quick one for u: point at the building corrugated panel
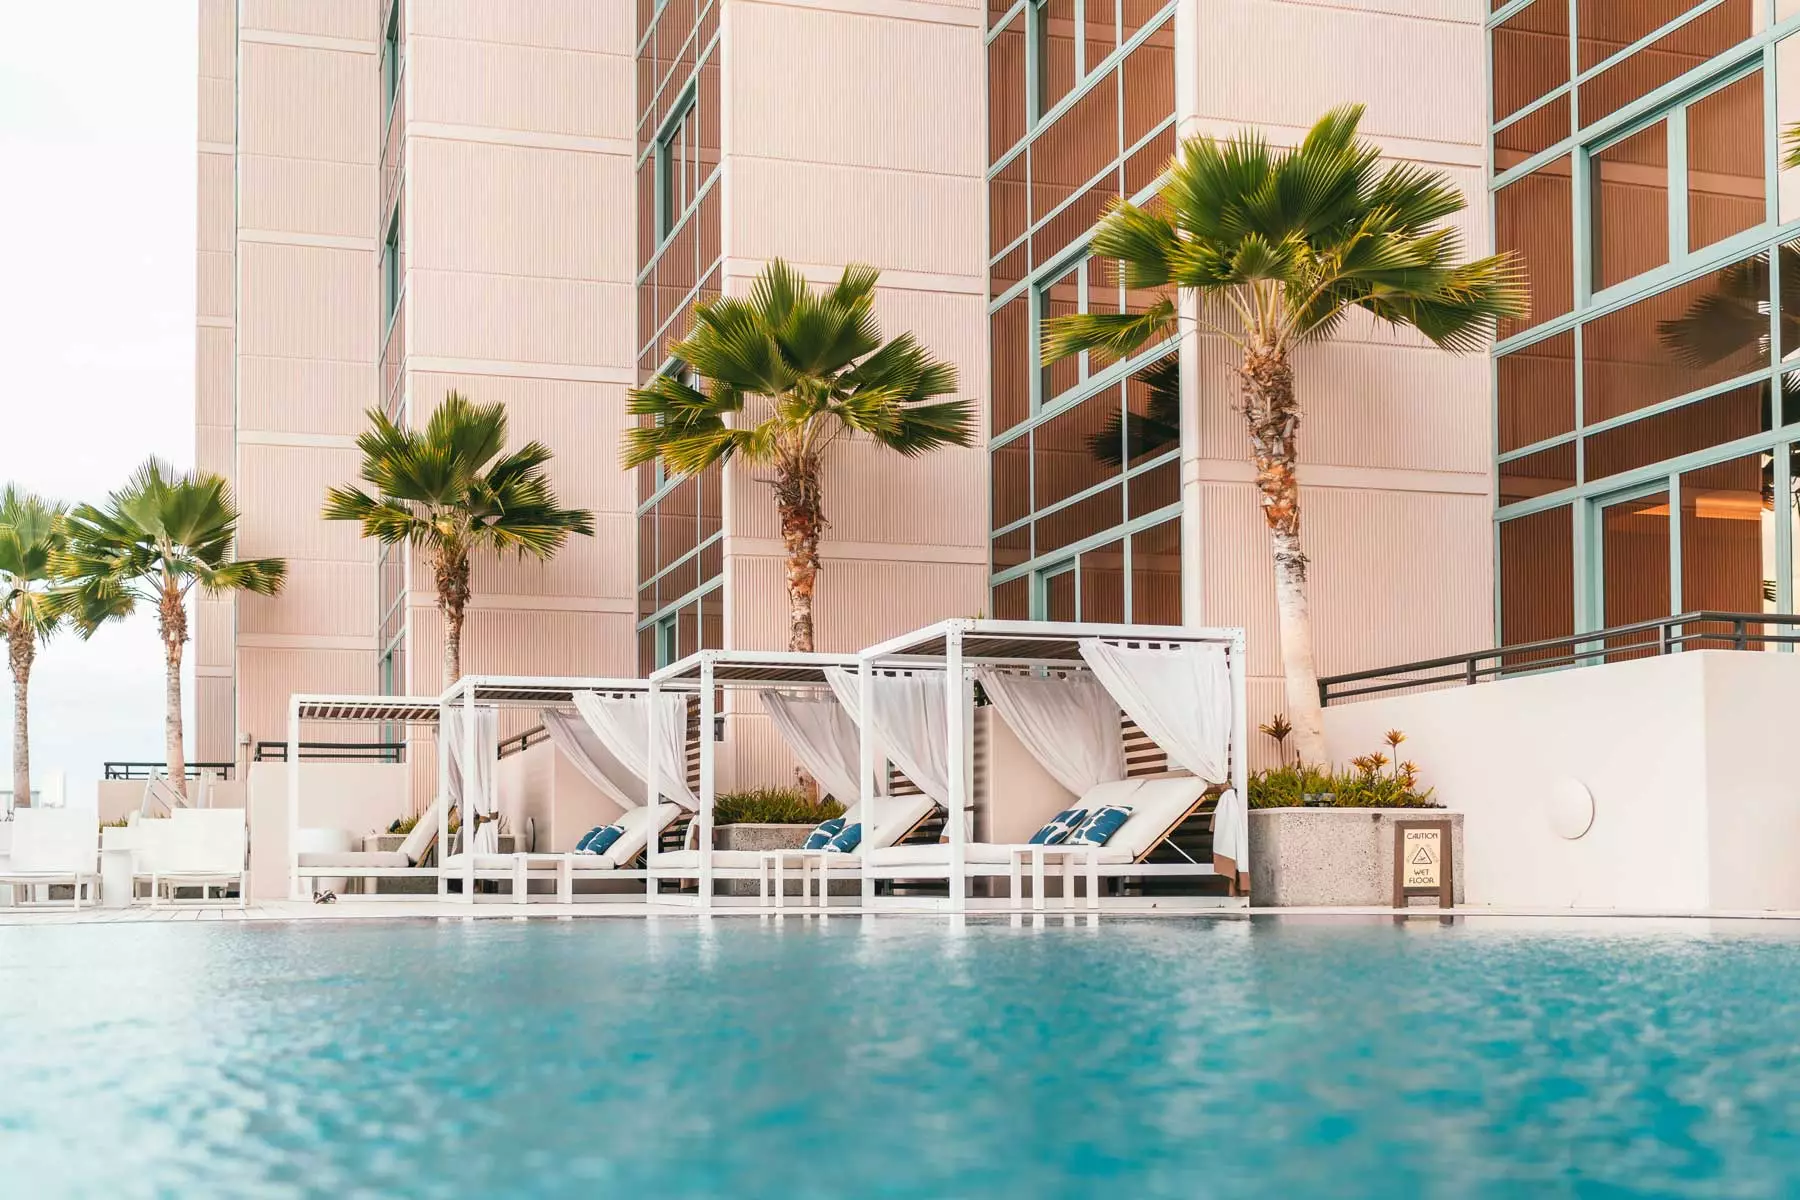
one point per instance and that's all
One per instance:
(214, 295)
(307, 302)
(495, 85)
(216, 114)
(518, 319)
(268, 675)
(310, 196)
(561, 24)
(309, 103)
(356, 19)
(328, 599)
(280, 492)
(218, 39)
(213, 382)
(304, 395)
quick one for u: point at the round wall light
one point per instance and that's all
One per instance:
(1570, 808)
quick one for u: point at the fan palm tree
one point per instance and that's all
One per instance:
(1271, 249)
(31, 535)
(157, 539)
(815, 364)
(450, 490)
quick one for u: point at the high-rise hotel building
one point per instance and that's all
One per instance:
(521, 199)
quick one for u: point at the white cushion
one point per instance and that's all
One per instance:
(896, 816)
(1118, 791)
(350, 860)
(55, 839)
(636, 824)
(1155, 808)
(419, 837)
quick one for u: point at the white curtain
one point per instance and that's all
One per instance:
(578, 743)
(910, 723)
(844, 687)
(622, 723)
(1181, 697)
(1070, 724)
(823, 737)
(481, 803)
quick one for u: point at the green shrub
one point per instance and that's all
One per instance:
(405, 824)
(772, 806)
(1371, 781)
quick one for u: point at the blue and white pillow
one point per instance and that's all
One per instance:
(822, 833)
(1100, 825)
(600, 840)
(1057, 830)
(847, 839)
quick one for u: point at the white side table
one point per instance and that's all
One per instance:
(777, 861)
(115, 878)
(1068, 857)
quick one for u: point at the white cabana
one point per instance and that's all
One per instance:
(1185, 688)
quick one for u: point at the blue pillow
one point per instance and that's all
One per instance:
(600, 840)
(1057, 830)
(847, 840)
(821, 835)
(582, 845)
(1100, 825)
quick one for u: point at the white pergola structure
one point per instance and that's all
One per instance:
(409, 711)
(706, 674)
(955, 647)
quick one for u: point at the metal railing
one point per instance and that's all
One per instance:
(150, 770)
(1618, 643)
(523, 741)
(377, 752)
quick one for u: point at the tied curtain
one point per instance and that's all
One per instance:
(1181, 697)
(909, 720)
(481, 829)
(622, 723)
(1069, 724)
(823, 737)
(577, 742)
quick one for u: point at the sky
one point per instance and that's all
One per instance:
(97, 170)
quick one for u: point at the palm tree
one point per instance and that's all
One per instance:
(448, 490)
(31, 535)
(157, 539)
(1270, 249)
(816, 366)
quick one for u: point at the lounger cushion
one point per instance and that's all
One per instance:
(1056, 831)
(1100, 825)
(352, 860)
(689, 860)
(420, 836)
(824, 832)
(937, 854)
(846, 839)
(1158, 805)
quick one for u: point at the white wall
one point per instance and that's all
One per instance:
(1694, 808)
(363, 798)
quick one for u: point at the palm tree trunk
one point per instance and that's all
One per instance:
(21, 647)
(1273, 421)
(172, 620)
(798, 501)
(452, 569)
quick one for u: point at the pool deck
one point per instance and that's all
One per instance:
(501, 909)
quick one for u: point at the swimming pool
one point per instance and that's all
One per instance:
(898, 1058)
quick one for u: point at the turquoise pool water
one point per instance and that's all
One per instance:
(898, 1058)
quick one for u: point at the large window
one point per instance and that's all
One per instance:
(677, 167)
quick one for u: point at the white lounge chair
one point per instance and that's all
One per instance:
(195, 847)
(520, 868)
(401, 863)
(54, 846)
(1158, 808)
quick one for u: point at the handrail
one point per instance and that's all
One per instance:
(139, 770)
(385, 752)
(1665, 635)
(521, 742)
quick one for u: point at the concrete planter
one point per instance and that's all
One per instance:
(757, 837)
(1335, 856)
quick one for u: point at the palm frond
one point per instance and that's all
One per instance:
(1118, 335)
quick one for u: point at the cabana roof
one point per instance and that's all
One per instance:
(533, 691)
(751, 668)
(409, 710)
(1031, 641)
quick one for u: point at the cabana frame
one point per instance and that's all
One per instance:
(954, 647)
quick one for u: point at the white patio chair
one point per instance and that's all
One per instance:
(54, 846)
(195, 847)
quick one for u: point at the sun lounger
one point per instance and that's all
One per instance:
(402, 863)
(195, 847)
(53, 846)
(615, 863)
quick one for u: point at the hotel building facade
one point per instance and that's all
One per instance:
(521, 200)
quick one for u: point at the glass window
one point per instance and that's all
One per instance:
(1533, 218)
(1012, 600)
(1787, 115)
(1056, 51)
(1157, 488)
(1149, 84)
(1536, 391)
(1741, 412)
(1059, 595)
(1012, 548)
(1634, 555)
(1531, 55)
(1100, 25)
(1537, 578)
(1006, 88)
(390, 61)
(1668, 58)
(1070, 152)
(1153, 410)
(1725, 162)
(1629, 230)
(1728, 536)
(1083, 519)
(391, 276)
(1534, 475)
(1156, 575)
(1059, 298)
(1606, 27)
(1532, 133)
(678, 168)
(1013, 361)
(1702, 332)
(1006, 204)
(1011, 473)
(1077, 449)
(1103, 584)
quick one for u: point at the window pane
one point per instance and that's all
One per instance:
(1059, 298)
(1076, 449)
(1738, 413)
(1150, 85)
(1006, 204)
(1056, 51)
(1532, 134)
(1156, 488)
(1153, 402)
(1531, 55)
(1012, 600)
(1012, 481)
(1013, 548)
(1668, 58)
(1537, 578)
(1703, 332)
(1532, 218)
(1725, 162)
(1606, 27)
(1634, 550)
(1728, 536)
(1006, 88)
(1537, 474)
(1059, 596)
(1537, 391)
(1068, 525)
(1013, 359)
(1630, 229)
(1101, 32)
(1072, 151)
(1156, 575)
(1787, 113)
(1103, 584)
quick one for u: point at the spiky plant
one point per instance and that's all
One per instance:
(1270, 250)
(788, 371)
(451, 490)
